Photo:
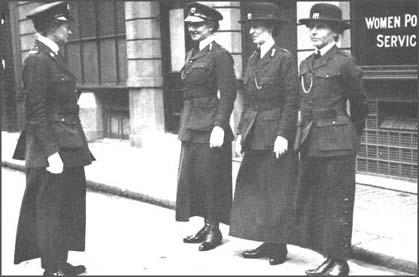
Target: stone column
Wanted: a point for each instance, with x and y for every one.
(144, 72)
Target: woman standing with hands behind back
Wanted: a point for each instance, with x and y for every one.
(205, 178)
(262, 208)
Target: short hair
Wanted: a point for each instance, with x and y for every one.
(214, 25)
(44, 26)
(273, 25)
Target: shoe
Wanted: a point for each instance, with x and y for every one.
(321, 269)
(339, 268)
(278, 254)
(59, 273)
(213, 238)
(198, 237)
(262, 251)
(70, 269)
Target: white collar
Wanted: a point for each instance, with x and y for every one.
(264, 48)
(205, 42)
(325, 48)
(51, 44)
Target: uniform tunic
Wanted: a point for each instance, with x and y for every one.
(262, 207)
(328, 143)
(52, 215)
(205, 174)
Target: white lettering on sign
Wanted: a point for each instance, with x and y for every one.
(410, 19)
(388, 22)
(391, 41)
(393, 22)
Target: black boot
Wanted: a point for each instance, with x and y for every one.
(321, 269)
(338, 268)
(198, 237)
(262, 251)
(213, 239)
(278, 254)
(72, 270)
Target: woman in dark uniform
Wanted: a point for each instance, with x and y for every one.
(52, 218)
(205, 174)
(329, 142)
(262, 208)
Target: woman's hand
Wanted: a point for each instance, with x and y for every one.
(55, 164)
(217, 137)
(280, 146)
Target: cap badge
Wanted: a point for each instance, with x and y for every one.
(249, 16)
(193, 10)
(316, 16)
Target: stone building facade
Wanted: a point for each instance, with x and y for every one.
(128, 55)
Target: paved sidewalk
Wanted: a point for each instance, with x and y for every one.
(385, 221)
(128, 237)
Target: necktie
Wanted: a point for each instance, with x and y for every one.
(317, 54)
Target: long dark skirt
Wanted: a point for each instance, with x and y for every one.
(204, 182)
(325, 201)
(52, 216)
(263, 198)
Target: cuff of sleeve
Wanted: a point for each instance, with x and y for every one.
(220, 123)
(282, 134)
(51, 149)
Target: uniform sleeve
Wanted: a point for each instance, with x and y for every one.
(35, 80)
(288, 121)
(240, 125)
(354, 89)
(226, 81)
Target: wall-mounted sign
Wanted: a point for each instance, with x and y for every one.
(385, 32)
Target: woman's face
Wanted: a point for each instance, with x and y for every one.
(199, 30)
(60, 34)
(260, 32)
(321, 34)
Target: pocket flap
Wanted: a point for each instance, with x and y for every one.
(327, 74)
(266, 80)
(200, 65)
(327, 122)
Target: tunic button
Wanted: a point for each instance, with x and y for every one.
(346, 245)
(346, 199)
(310, 102)
(346, 212)
(62, 119)
(333, 122)
(327, 75)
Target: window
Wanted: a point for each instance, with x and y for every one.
(96, 52)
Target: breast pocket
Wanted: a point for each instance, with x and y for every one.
(327, 81)
(335, 134)
(198, 73)
(63, 86)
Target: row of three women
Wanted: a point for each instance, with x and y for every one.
(269, 205)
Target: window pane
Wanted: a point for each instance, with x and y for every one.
(177, 39)
(87, 19)
(122, 61)
(107, 61)
(120, 17)
(106, 18)
(75, 25)
(90, 66)
(73, 60)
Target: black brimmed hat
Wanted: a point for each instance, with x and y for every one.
(196, 12)
(262, 11)
(51, 11)
(327, 13)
